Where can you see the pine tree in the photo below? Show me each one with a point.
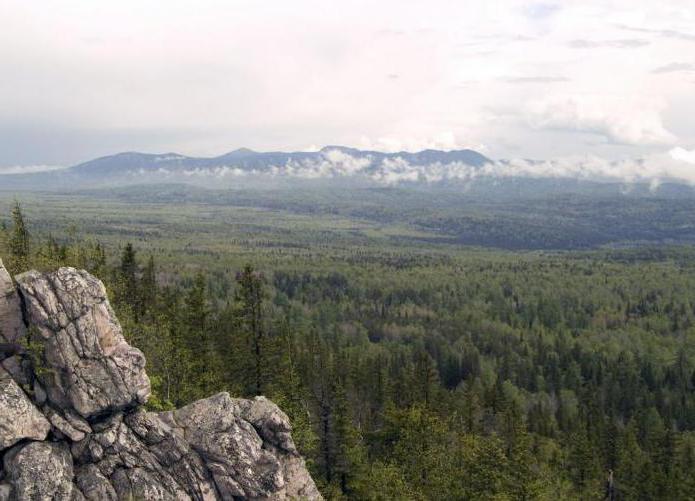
(18, 241)
(347, 448)
(148, 287)
(197, 310)
(629, 476)
(250, 296)
(290, 393)
(424, 378)
(128, 280)
(583, 465)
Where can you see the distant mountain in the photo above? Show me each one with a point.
(244, 166)
(249, 160)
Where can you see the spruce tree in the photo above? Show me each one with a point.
(148, 287)
(18, 240)
(128, 279)
(250, 296)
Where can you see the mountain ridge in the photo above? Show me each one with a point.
(343, 167)
(247, 158)
(247, 166)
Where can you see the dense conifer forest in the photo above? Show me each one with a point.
(408, 371)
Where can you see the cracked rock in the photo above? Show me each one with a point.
(82, 432)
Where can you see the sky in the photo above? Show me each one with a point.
(602, 80)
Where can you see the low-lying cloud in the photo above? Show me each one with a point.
(28, 169)
(676, 164)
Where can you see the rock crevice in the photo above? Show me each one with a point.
(75, 427)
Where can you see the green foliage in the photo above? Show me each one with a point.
(252, 330)
(16, 238)
(35, 349)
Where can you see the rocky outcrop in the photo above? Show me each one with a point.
(73, 425)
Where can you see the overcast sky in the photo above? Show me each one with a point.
(512, 79)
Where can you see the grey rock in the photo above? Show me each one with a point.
(230, 447)
(93, 485)
(12, 327)
(269, 421)
(67, 426)
(140, 458)
(88, 389)
(89, 366)
(19, 418)
(274, 427)
(246, 445)
(5, 491)
(40, 471)
(40, 395)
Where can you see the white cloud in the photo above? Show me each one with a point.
(632, 121)
(442, 140)
(676, 164)
(28, 169)
(673, 165)
(683, 155)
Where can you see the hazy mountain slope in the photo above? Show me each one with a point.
(244, 166)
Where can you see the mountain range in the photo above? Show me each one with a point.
(243, 166)
(465, 171)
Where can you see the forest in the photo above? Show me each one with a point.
(512, 214)
(410, 368)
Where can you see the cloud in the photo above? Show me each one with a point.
(674, 68)
(676, 164)
(28, 169)
(281, 75)
(334, 163)
(443, 140)
(683, 155)
(633, 121)
(593, 168)
(666, 33)
(538, 79)
(632, 43)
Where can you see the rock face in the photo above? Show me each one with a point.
(89, 366)
(73, 426)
